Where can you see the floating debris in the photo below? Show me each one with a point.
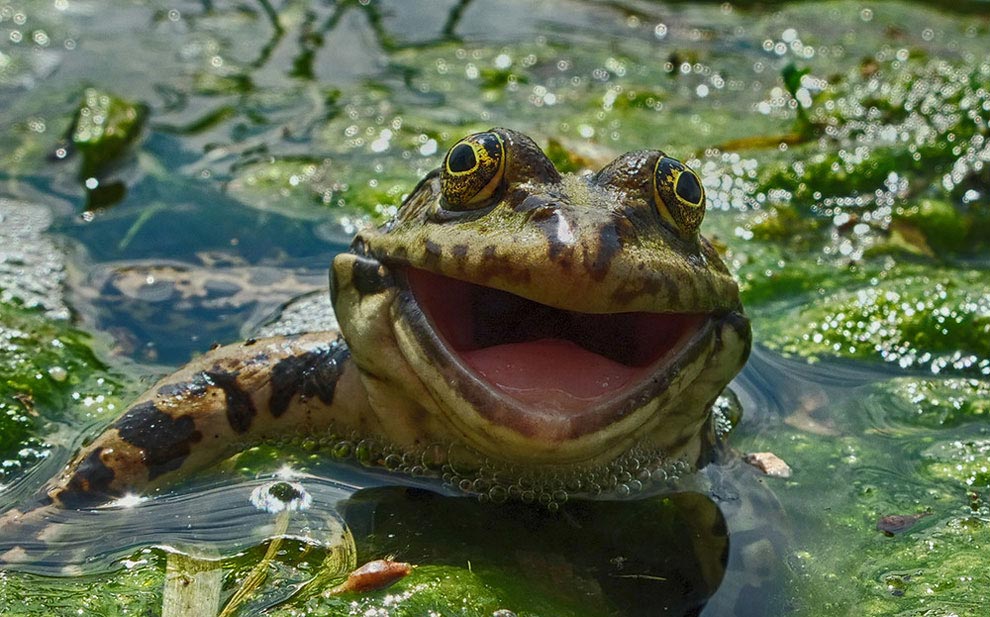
(373, 575)
(277, 496)
(769, 463)
(893, 524)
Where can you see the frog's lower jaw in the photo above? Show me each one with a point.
(533, 389)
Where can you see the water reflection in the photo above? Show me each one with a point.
(217, 522)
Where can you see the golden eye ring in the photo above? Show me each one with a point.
(678, 195)
(472, 171)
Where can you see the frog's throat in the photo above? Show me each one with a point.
(664, 399)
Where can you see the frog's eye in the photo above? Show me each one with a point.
(678, 195)
(472, 171)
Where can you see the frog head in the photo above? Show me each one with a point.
(543, 319)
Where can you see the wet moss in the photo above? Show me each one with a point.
(48, 368)
(935, 227)
(105, 126)
(135, 590)
(935, 403)
(933, 319)
(429, 589)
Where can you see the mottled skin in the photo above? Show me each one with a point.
(622, 241)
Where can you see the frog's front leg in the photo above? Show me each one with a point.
(228, 398)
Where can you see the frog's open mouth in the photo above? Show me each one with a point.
(550, 359)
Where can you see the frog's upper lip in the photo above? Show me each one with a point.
(536, 368)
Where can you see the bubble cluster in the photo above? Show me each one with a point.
(457, 466)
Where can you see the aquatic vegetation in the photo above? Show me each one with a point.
(103, 128)
(934, 319)
(48, 368)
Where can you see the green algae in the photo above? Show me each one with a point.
(135, 590)
(939, 320)
(50, 374)
(935, 403)
(105, 126)
(429, 590)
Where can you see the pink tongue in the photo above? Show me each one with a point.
(550, 374)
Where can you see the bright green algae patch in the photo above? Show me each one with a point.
(915, 317)
(49, 372)
(132, 591)
(865, 244)
(104, 127)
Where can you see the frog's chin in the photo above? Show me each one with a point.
(548, 375)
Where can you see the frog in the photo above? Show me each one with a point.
(519, 332)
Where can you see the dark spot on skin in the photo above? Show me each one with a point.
(369, 276)
(90, 484)
(652, 284)
(250, 341)
(547, 220)
(434, 255)
(165, 441)
(459, 251)
(215, 346)
(493, 266)
(609, 245)
(240, 407)
(314, 373)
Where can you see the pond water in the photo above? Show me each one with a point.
(844, 150)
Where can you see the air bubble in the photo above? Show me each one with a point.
(498, 494)
(393, 462)
(368, 453)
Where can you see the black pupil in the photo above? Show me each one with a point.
(462, 158)
(688, 188)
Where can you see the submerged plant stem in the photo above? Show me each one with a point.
(259, 573)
